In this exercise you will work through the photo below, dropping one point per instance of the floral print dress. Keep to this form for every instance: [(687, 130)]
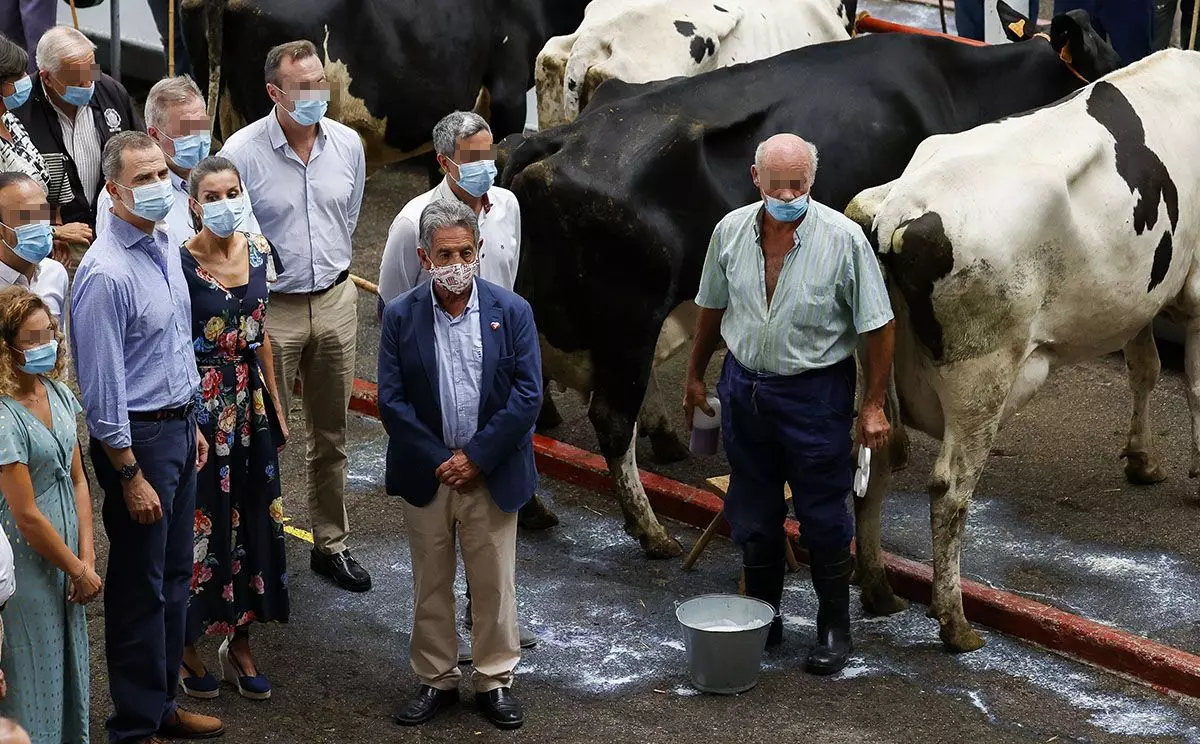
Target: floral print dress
[(240, 574)]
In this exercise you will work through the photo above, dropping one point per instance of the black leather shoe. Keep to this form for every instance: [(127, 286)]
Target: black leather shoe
[(831, 580), (342, 569), (428, 703), (500, 707)]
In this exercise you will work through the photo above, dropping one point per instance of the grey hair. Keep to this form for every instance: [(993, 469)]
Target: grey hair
[(293, 50), (58, 44), (168, 92), (114, 151), (761, 151), (442, 213), (456, 126), (13, 60)]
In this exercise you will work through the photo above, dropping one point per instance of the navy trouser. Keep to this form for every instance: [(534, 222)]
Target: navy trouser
[(968, 17), (159, 9), (794, 429), (1130, 23), (149, 577), (24, 22)]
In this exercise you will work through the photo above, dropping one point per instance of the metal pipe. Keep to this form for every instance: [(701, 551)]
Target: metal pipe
[(870, 24), (115, 40)]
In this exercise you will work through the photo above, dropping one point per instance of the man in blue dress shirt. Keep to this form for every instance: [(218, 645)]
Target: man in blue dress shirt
[(460, 387), (132, 342)]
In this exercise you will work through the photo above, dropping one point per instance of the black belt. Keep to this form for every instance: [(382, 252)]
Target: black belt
[(164, 414), (340, 278)]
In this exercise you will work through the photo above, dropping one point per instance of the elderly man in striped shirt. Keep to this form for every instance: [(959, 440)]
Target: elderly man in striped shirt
[(790, 285)]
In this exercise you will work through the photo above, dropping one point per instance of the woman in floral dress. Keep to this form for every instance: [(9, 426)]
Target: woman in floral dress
[(240, 575)]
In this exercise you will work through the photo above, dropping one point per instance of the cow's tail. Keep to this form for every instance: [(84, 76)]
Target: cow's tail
[(214, 22)]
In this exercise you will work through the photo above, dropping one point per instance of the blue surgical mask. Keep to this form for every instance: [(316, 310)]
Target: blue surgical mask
[(191, 149), (40, 359), (77, 96), (787, 211), (477, 177), (34, 241), (153, 201), (223, 217), (309, 111), (18, 98)]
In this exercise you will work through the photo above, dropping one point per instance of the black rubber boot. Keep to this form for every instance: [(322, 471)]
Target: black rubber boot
[(762, 564), (831, 580)]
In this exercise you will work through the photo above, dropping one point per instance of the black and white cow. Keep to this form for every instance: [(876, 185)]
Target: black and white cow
[(618, 206), (1025, 245)]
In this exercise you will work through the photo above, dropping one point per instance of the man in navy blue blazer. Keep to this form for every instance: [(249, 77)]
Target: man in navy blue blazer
[(460, 387)]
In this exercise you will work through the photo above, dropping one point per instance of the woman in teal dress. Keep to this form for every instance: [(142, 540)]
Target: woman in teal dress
[(47, 514)]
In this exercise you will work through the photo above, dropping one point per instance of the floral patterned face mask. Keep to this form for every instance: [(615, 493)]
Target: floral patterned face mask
[(454, 278)]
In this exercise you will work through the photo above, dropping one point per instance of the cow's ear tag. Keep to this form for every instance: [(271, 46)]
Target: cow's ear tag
[(1065, 54), (1018, 27)]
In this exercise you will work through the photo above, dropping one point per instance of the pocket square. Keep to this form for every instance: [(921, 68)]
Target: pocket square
[(495, 325)]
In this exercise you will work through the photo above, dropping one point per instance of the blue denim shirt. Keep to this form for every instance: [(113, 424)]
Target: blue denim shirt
[(131, 336), (460, 367)]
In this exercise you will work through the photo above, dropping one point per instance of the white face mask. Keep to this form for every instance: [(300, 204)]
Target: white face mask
[(454, 278)]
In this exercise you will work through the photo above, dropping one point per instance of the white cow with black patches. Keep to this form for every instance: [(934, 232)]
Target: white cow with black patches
[(1024, 245), (640, 41)]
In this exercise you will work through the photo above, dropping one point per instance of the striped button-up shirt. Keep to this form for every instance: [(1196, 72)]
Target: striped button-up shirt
[(460, 367), (131, 329), (82, 143), (830, 289)]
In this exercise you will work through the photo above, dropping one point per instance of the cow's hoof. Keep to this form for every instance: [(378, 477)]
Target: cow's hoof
[(661, 546), (878, 601), (960, 638), (536, 516), (667, 447), (1143, 469)]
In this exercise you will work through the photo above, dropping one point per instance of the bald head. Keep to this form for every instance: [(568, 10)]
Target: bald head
[(785, 166)]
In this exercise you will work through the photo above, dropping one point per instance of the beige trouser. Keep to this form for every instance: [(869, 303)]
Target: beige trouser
[(488, 539), (314, 336)]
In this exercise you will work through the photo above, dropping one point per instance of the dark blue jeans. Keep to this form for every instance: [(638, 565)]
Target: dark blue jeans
[(1130, 23), (968, 17), (149, 577), (794, 429)]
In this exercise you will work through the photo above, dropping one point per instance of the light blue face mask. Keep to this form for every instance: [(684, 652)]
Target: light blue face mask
[(34, 241), (40, 359), (152, 201), (18, 98), (77, 96), (477, 177), (309, 111), (223, 217), (787, 211), (191, 149)]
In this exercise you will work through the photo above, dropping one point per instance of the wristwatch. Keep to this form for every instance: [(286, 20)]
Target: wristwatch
[(128, 472)]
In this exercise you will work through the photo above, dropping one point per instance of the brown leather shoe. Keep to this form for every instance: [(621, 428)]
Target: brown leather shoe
[(184, 725)]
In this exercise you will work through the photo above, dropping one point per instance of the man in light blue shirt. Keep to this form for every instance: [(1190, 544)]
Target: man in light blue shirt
[(791, 285), (132, 342)]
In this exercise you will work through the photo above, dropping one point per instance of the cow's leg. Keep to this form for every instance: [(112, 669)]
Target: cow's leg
[(653, 422), (1142, 466), (1192, 375), (617, 431), (877, 595), (973, 398)]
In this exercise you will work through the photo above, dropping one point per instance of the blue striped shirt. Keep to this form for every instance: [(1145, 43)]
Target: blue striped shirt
[(830, 289)]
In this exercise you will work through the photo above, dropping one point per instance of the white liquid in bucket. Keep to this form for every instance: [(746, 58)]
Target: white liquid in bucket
[(724, 625)]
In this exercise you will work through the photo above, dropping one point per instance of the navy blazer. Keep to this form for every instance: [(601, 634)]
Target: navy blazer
[(510, 396)]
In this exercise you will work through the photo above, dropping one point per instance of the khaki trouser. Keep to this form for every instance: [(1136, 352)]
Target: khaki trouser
[(487, 537), (314, 336)]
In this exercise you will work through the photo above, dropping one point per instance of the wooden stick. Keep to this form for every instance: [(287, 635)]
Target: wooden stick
[(364, 285), (704, 540), (1195, 20), (792, 564), (74, 15), (170, 38)]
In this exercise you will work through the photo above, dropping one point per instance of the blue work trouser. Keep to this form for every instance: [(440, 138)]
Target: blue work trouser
[(1130, 23), (968, 17), (149, 577), (794, 429), (24, 22)]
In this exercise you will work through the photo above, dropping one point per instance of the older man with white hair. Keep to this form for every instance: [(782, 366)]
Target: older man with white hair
[(177, 120), (74, 111), (791, 285)]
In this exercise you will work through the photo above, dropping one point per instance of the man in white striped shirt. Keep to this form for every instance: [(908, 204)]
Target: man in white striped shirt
[(790, 285)]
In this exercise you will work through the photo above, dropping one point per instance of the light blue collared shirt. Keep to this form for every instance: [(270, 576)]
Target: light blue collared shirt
[(460, 367), (308, 212), (829, 291), (131, 329)]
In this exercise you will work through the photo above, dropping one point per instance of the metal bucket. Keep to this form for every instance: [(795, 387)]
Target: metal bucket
[(725, 635)]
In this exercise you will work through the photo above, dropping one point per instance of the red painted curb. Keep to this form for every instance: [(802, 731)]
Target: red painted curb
[(1163, 667)]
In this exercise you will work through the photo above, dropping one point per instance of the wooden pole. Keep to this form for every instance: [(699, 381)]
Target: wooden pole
[(364, 285), (74, 15), (1195, 20), (170, 38)]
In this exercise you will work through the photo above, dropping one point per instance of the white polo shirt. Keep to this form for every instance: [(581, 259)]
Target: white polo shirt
[(499, 242), (49, 283)]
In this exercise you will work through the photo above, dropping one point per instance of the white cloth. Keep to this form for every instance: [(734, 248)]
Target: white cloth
[(49, 283), (499, 242), (308, 212), (82, 143), (8, 576), (179, 221)]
